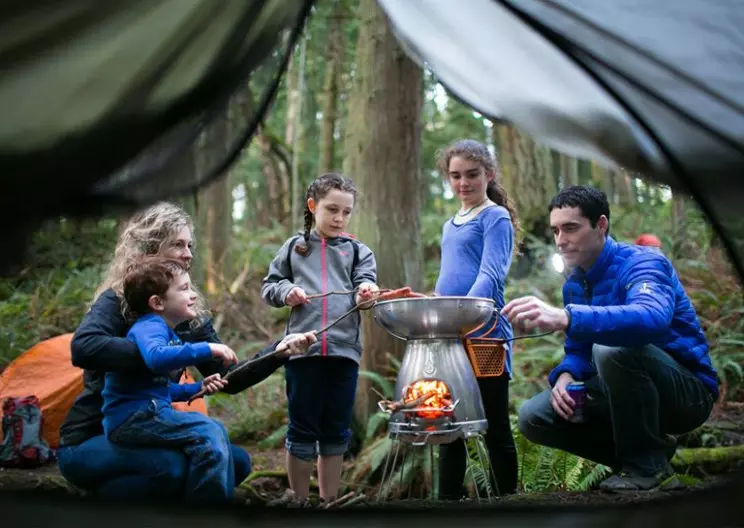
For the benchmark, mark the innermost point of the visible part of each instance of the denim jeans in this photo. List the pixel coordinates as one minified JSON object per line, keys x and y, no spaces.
{"x":210,"y":474}
{"x":637,"y":397}
{"x":320,"y":392}
{"x":116,"y":472}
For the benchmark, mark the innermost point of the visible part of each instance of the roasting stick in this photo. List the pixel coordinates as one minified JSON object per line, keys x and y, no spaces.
{"x":279,"y":349}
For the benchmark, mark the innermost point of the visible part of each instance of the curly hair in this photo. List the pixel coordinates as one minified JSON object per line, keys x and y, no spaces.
{"x":476,"y":151}
{"x":147,"y":232}
{"x":318,"y":190}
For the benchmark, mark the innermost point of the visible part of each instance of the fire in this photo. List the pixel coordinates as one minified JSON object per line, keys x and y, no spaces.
{"x":437,"y":396}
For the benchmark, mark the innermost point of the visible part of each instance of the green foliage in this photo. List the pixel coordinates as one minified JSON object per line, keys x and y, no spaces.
{"x":63,"y":268}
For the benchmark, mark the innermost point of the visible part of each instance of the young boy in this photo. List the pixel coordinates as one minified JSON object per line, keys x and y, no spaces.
{"x":137,"y":405}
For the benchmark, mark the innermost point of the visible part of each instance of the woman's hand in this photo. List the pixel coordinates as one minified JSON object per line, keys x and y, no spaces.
{"x":367,"y":294}
{"x":213,"y":383}
{"x":224,"y":353}
{"x":296,"y":297}
{"x":296,"y":344}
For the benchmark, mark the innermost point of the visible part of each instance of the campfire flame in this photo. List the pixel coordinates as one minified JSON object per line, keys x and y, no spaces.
{"x":439,"y":397}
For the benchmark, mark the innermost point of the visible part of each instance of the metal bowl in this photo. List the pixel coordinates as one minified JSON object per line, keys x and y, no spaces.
{"x":432,"y":317}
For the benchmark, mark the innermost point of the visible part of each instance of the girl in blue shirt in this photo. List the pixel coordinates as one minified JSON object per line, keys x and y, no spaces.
{"x":477,"y":247}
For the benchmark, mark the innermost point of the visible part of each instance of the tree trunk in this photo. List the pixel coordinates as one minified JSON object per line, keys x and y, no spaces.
{"x":382,"y":151}
{"x":334,"y":62}
{"x":527,"y":172}
{"x":216,"y":206}
{"x":624,"y":187}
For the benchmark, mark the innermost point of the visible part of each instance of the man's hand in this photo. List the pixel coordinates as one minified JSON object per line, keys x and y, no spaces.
{"x":367,"y":292}
{"x":562,"y":403}
{"x":527,"y":313}
{"x":296,"y":297}
{"x":213,"y":383}
{"x":224,"y":353}
{"x":296,"y":344}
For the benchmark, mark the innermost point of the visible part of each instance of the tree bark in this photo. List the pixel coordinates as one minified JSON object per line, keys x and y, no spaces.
{"x":216,"y":205}
{"x":334,"y":62}
{"x":382,"y":150}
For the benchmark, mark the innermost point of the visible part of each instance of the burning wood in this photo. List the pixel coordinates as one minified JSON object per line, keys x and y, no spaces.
{"x":432,"y":395}
{"x":401,"y":405}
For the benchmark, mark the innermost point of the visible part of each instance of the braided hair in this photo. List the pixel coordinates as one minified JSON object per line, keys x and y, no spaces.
{"x":318,"y":190}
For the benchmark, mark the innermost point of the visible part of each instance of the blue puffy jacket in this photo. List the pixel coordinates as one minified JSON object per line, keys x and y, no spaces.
{"x":631,"y":297}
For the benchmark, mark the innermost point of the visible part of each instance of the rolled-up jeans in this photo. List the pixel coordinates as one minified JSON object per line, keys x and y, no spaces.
{"x":637,"y":397}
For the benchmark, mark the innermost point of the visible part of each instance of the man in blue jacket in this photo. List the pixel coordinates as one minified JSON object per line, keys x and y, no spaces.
{"x":632,"y":337}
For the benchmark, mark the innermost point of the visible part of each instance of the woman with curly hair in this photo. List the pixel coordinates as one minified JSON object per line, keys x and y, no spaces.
{"x":86,"y":458}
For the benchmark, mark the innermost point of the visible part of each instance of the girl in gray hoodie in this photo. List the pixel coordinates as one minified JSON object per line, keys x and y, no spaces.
{"x":321,"y":384}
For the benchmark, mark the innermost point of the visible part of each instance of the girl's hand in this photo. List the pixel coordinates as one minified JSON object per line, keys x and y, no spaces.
{"x":367,"y":294}
{"x":213,"y":383}
{"x":296,"y":297}
{"x":296,"y":344}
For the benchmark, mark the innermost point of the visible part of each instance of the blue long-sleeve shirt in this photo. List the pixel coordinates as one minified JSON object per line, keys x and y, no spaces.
{"x":162,"y":351}
{"x":476,"y":257}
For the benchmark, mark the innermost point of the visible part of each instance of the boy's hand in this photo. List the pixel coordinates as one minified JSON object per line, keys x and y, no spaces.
{"x":224,"y":353}
{"x":296,"y":297}
{"x":213,"y":383}
{"x":367,"y":294}
{"x":296,"y":344}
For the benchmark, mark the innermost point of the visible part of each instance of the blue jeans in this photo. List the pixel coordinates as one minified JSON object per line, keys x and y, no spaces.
{"x":321,"y":392}
{"x":209,"y":475}
{"x":637,"y":397}
{"x":112,"y":471}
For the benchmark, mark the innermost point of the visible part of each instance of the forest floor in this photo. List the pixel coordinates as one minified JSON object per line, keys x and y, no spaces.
{"x":269,"y":479}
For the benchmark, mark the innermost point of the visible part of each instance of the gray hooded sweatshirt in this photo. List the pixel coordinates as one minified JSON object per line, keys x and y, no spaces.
{"x":334,"y":264}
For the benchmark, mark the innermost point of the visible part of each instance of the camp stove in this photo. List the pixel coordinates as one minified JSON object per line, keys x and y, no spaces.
{"x":437,"y":399}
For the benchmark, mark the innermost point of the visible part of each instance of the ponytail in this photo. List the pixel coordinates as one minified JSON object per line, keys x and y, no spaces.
{"x":304,"y":248}
{"x":497,"y":194}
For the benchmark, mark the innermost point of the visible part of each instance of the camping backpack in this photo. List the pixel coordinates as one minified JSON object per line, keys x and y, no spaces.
{"x":23,"y":445}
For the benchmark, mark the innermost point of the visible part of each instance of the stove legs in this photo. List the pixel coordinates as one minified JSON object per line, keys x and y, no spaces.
{"x":401,"y":458}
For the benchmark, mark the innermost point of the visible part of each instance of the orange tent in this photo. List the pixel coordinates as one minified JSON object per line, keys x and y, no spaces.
{"x":45,"y":370}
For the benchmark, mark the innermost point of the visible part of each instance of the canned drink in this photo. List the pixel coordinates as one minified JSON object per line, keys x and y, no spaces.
{"x":577,"y":391}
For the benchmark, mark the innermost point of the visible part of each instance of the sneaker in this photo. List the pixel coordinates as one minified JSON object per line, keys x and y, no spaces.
{"x":625,"y":481}
{"x":289,"y":500}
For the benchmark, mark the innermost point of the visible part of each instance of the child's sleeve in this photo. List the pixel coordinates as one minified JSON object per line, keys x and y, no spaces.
{"x":278,"y":282}
{"x":183,"y":391}
{"x":152,"y":337}
{"x":366,"y":268}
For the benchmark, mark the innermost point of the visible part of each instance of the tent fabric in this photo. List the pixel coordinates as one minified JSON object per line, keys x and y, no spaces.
{"x":652,"y":87}
{"x":103,"y":103}
{"x":45,"y":370}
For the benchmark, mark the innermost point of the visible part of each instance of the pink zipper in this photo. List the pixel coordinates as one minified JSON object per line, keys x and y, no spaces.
{"x":324,"y":276}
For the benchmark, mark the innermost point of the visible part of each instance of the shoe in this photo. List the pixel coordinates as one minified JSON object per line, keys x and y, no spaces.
{"x":625,"y":481}
{"x":290,"y":500}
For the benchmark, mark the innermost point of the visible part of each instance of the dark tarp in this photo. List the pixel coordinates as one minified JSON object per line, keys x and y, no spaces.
{"x":101,"y":101}
{"x":654,"y":87}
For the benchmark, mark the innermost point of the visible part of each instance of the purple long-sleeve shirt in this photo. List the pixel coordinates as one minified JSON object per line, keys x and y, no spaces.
{"x":476,"y":257}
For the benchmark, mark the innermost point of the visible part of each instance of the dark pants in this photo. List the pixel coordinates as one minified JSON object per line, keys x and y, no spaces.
{"x":499,"y":442}
{"x":209,"y":475}
{"x":321,"y":392}
{"x":119,"y":472}
{"x":638,"y":396}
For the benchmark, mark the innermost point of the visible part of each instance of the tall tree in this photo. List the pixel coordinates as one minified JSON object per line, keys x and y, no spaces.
{"x":382,"y":148}
{"x":331,"y":85}
{"x":215,"y":205}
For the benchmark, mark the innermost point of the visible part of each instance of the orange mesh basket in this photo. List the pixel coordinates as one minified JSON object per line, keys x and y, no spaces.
{"x":487,"y":356}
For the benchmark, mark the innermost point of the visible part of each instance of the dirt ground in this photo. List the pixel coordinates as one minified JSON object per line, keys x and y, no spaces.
{"x":727,"y":421}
